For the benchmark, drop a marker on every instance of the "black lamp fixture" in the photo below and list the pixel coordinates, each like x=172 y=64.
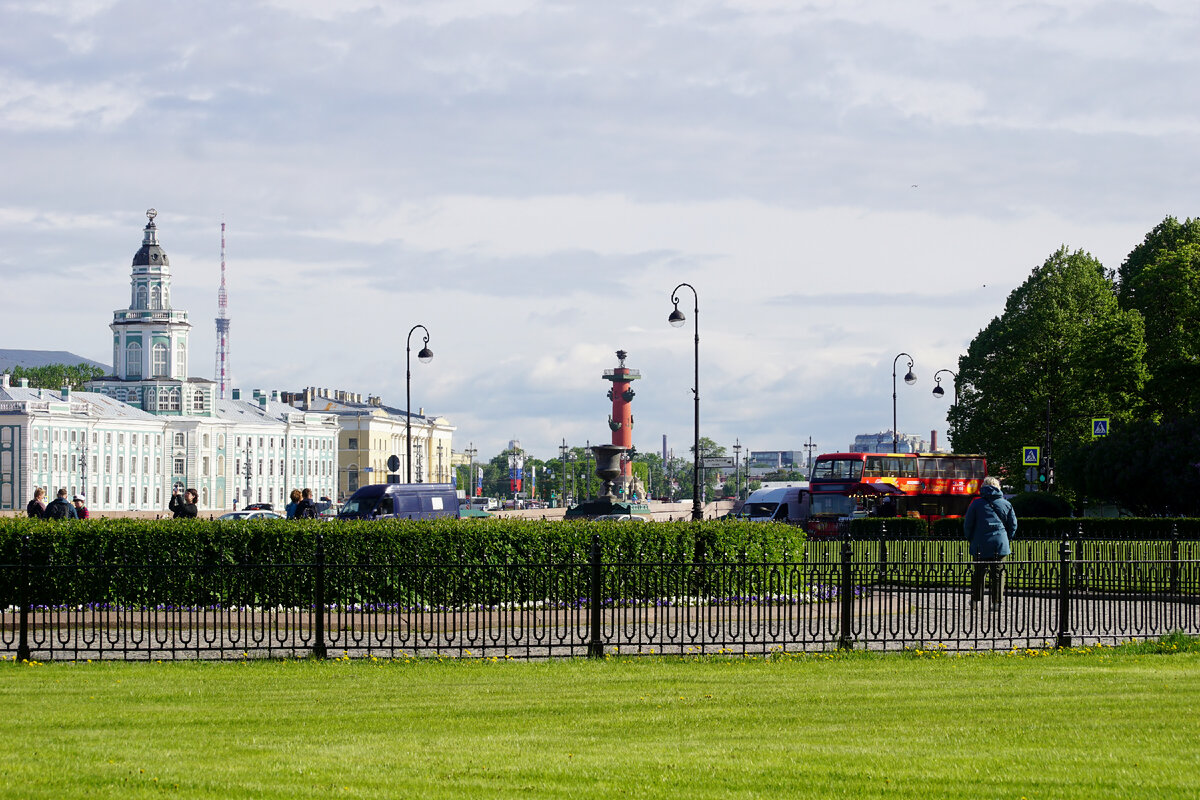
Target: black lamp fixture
x=910 y=378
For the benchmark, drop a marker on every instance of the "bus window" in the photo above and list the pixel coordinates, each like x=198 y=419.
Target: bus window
x=874 y=467
x=838 y=469
x=929 y=468
x=908 y=468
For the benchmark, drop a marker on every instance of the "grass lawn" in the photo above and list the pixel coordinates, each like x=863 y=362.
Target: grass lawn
x=1111 y=723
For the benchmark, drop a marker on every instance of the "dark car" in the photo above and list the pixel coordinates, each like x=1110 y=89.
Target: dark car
x=402 y=501
x=259 y=507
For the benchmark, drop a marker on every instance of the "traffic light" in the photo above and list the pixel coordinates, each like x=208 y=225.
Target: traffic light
x=1050 y=473
x=1043 y=475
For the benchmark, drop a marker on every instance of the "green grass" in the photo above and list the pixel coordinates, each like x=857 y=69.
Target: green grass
x=1107 y=723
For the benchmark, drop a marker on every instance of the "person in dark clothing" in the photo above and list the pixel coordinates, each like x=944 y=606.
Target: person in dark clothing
x=183 y=506
x=37 y=506
x=59 y=508
x=989 y=525
x=306 y=508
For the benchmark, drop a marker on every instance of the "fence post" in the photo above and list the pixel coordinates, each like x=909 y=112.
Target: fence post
x=1174 y=557
x=23 y=641
x=1064 y=592
x=319 y=601
x=595 y=646
x=846 y=597
x=883 y=553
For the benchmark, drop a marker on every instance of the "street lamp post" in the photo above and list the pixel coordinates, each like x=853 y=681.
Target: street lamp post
x=424 y=356
x=737 y=469
x=910 y=379
x=938 y=391
x=677 y=319
x=471 y=451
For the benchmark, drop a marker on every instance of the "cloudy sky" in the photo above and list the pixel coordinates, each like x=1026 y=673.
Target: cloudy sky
x=841 y=181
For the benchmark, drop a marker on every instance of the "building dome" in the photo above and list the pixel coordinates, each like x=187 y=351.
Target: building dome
x=151 y=253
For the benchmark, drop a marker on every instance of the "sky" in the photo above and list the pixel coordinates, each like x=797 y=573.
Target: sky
x=841 y=181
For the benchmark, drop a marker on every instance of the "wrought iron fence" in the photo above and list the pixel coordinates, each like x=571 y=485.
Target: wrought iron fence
x=880 y=595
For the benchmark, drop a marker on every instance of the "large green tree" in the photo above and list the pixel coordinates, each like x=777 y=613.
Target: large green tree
x=1148 y=467
x=1161 y=279
x=1062 y=351
x=56 y=376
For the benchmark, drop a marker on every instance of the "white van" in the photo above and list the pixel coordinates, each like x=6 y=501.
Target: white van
x=781 y=504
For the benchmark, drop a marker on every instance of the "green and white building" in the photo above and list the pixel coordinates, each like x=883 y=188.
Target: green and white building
x=150 y=427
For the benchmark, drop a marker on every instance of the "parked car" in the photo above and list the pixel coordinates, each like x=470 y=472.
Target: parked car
x=259 y=507
x=620 y=518
x=401 y=501
x=251 y=513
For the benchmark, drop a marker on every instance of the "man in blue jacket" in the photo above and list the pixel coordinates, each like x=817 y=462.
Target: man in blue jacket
x=989 y=525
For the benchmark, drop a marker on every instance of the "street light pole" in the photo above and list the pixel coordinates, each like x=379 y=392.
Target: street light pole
x=677 y=319
x=471 y=451
x=424 y=356
x=910 y=379
x=938 y=391
x=737 y=469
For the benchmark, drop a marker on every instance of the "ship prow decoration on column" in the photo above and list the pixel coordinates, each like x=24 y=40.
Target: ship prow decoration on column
x=622 y=493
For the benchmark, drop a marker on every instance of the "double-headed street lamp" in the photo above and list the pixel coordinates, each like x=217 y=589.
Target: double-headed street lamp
x=677 y=319
x=424 y=356
x=938 y=391
x=910 y=379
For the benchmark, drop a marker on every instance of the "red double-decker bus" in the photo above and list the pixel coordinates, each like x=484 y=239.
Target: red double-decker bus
x=926 y=485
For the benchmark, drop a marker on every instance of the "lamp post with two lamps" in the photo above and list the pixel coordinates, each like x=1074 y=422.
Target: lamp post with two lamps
x=910 y=379
x=424 y=356
x=677 y=319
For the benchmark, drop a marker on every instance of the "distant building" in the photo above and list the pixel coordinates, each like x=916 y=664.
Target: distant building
x=883 y=443
x=764 y=462
x=372 y=432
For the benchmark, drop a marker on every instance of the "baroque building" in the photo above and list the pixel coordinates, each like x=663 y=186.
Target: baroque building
x=149 y=427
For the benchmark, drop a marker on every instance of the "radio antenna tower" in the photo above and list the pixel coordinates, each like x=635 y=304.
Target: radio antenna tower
x=222 y=368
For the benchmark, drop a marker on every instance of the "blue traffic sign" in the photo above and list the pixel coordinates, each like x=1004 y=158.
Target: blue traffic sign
x=1099 y=427
x=1031 y=456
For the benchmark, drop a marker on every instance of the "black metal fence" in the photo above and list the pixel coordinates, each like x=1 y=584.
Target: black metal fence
x=876 y=594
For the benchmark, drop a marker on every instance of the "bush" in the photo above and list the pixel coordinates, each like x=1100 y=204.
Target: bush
x=1040 y=504
x=268 y=563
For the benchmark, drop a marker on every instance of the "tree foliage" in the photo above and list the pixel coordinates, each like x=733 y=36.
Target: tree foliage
x=1146 y=466
x=1062 y=351
x=56 y=376
x=1161 y=279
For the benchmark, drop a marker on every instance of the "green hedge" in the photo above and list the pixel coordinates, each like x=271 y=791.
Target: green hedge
x=1127 y=529
x=198 y=562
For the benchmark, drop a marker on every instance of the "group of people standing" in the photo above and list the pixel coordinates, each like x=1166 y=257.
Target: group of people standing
x=58 y=508
x=301 y=505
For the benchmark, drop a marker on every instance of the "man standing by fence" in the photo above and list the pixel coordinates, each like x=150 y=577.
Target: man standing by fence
x=989 y=525
x=60 y=508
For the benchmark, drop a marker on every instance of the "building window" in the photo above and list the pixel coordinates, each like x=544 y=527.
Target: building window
x=179 y=440
x=133 y=360
x=352 y=478
x=155 y=297
x=151 y=399
x=206 y=465
x=352 y=444
x=179 y=466
x=158 y=360
x=140 y=302
x=107 y=495
x=120 y=495
x=206 y=441
x=221 y=441
x=181 y=359
x=198 y=405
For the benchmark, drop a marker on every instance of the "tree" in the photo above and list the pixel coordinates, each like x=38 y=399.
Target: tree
x=56 y=376
x=1161 y=279
x=1062 y=351
x=1148 y=467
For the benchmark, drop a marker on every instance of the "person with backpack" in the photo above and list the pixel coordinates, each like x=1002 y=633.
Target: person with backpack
x=59 y=508
x=989 y=525
x=306 y=508
x=37 y=506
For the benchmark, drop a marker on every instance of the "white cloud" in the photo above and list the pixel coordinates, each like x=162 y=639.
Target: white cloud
x=37 y=106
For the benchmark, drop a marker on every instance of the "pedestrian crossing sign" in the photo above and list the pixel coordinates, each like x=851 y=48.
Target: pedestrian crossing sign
x=1099 y=427
x=1031 y=456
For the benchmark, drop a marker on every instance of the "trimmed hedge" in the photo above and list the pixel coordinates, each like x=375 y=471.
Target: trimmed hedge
x=1131 y=529
x=268 y=563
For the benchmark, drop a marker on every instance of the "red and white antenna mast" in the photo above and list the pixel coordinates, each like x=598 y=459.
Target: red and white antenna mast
x=222 y=368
